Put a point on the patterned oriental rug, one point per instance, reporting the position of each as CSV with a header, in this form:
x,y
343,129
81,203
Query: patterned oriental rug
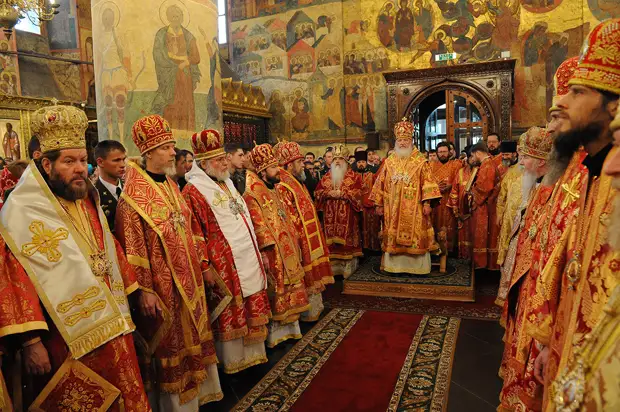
x,y
356,360
457,284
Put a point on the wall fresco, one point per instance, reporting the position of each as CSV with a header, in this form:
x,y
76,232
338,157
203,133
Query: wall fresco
x,y
310,56
167,65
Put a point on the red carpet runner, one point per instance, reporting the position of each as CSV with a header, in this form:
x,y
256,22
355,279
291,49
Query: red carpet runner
x,y
362,361
363,370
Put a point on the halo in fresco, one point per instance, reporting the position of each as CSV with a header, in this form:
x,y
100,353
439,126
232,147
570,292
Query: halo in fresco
x,y
163,9
604,9
540,6
114,8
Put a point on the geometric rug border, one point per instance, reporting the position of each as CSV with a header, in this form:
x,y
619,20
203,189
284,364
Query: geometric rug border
x,y
441,383
411,291
277,370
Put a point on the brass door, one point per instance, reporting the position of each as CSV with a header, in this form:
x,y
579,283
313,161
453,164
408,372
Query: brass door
x,y
466,122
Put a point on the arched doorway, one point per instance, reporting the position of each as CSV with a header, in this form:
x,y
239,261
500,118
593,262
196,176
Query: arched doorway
x,y
449,112
460,103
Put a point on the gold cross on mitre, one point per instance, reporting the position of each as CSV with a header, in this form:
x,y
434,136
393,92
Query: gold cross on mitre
x,y
45,241
571,192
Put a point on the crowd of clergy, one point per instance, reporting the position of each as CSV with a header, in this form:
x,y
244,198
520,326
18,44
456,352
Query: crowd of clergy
x,y
135,289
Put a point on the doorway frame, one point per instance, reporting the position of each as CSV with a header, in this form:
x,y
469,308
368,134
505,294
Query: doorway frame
x,y
492,84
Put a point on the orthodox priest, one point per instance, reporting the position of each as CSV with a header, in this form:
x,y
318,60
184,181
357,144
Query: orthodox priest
x,y
279,246
520,391
74,333
339,196
509,198
163,246
371,222
403,193
300,208
238,302
483,200
445,171
459,203
587,267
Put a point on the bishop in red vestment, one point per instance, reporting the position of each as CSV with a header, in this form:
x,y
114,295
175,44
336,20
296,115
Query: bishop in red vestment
x,y
339,196
75,334
483,200
237,300
162,241
279,245
459,203
300,207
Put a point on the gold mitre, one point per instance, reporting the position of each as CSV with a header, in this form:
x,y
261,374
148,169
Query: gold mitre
x,y
60,127
341,150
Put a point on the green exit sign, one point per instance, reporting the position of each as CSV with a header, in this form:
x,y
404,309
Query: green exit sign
x,y
445,56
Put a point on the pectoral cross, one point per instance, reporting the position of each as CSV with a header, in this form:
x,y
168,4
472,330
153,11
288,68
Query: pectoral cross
x,y
282,214
571,192
177,219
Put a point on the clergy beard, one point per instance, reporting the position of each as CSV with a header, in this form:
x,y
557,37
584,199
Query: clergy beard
x,y
614,229
528,182
338,173
60,188
403,152
171,171
508,162
494,152
301,176
215,175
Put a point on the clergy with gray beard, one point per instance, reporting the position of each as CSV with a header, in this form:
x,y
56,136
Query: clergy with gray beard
x,y
237,299
404,193
339,196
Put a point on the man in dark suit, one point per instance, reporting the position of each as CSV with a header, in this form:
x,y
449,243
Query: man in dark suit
x,y
111,159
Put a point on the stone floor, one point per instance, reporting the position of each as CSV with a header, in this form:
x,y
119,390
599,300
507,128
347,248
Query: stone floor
x,y
474,386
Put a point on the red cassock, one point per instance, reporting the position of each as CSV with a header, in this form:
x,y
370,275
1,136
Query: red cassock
x,y
371,221
485,229
459,204
443,216
23,319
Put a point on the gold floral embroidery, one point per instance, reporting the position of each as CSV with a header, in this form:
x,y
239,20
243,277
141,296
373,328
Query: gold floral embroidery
x,y
78,299
73,319
77,398
45,241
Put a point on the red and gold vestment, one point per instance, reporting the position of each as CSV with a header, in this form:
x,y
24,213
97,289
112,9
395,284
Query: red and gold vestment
x,y
371,222
459,203
485,229
162,241
443,217
278,242
341,215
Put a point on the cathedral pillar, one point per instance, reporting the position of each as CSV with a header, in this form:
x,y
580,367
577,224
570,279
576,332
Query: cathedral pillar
x,y
156,57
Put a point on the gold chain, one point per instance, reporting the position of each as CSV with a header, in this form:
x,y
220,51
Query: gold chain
x,y
81,227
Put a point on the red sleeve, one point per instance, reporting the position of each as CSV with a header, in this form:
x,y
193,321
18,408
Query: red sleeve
x,y
485,182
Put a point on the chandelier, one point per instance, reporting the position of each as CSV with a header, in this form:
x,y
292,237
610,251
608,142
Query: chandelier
x,y
37,11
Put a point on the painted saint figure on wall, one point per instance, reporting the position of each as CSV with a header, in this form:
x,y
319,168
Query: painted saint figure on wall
x,y
10,143
404,26
276,108
385,25
334,97
115,73
176,65
301,119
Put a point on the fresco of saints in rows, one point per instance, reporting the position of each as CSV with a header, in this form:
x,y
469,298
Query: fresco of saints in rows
x,y
176,65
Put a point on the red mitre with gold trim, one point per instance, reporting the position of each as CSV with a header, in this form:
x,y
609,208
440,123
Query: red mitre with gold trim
x,y
287,152
262,157
560,80
536,142
599,63
150,132
404,129
207,144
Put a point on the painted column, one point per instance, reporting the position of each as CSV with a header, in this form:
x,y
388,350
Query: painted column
x,y
156,57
